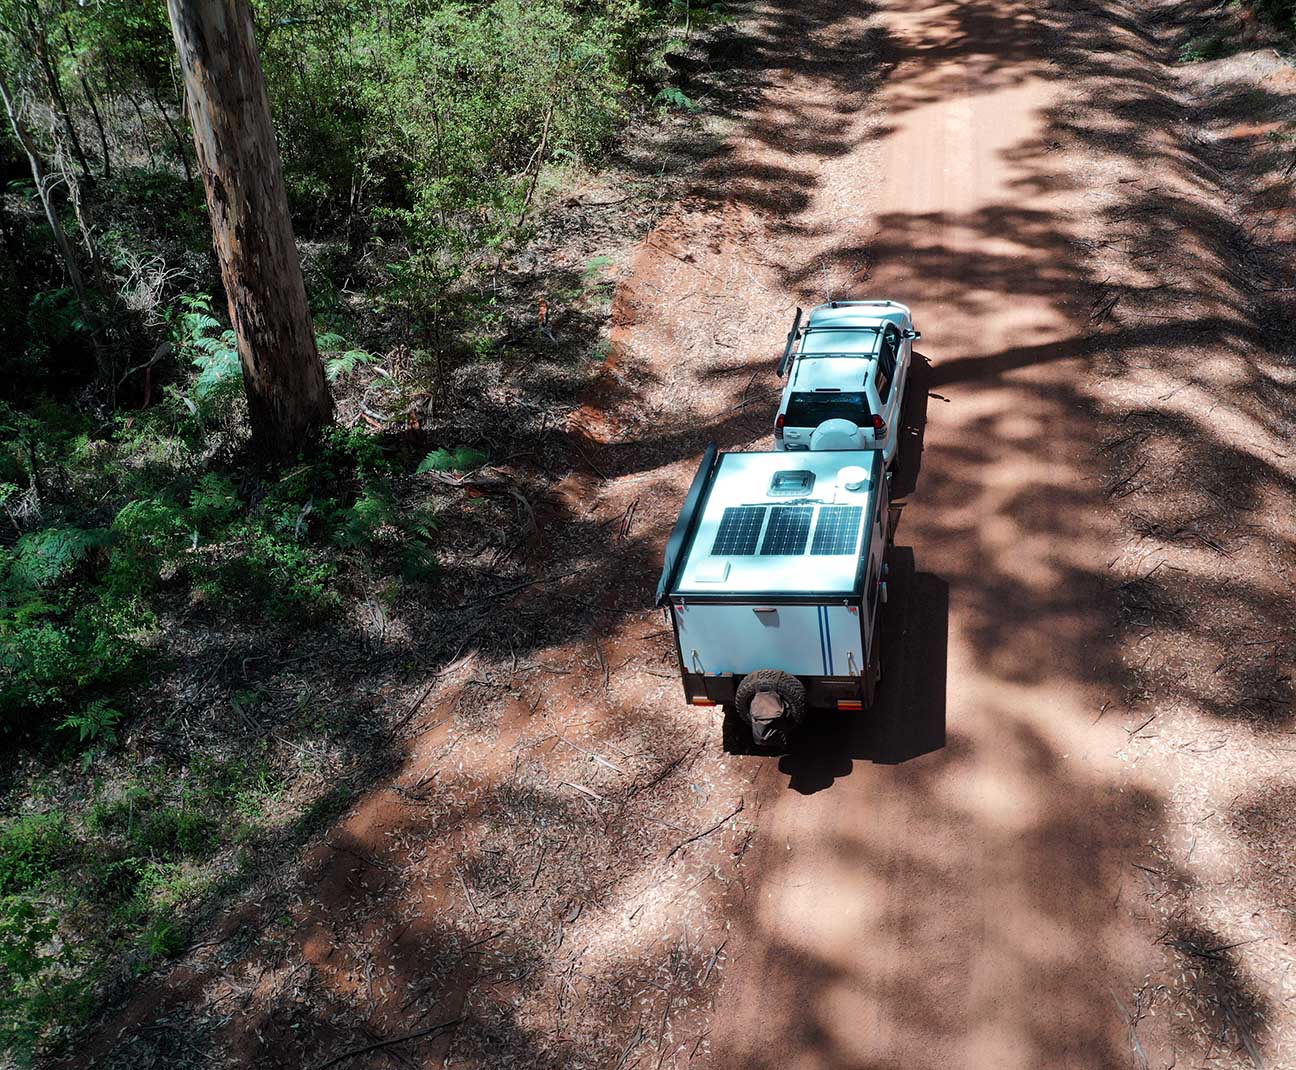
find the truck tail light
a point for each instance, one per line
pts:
(703, 701)
(778, 425)
(879, 426)
(849, 704)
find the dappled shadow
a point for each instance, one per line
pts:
(963, 865)
(908, 716)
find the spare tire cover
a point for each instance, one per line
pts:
(767, 717)
(837, 435)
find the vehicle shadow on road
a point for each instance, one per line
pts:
(908, 716)
(913, 428)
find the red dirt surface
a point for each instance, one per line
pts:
(987, 871)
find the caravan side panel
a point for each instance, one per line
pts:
(805, 640)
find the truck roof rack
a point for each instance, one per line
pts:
(791, 341)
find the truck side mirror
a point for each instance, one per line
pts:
(915, 335)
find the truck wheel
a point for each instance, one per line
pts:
(780, 689)
(873, 674)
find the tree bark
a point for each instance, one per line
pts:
(238, 159)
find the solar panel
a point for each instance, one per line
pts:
(739, 529)
(789, 527)
(837, 530)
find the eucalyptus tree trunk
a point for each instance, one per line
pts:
(238, 158)
(44, 190)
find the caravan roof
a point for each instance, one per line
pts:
(778, 523)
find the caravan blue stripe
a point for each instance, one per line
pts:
(823, 647)
(828, 635)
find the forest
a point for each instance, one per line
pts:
(422, 142)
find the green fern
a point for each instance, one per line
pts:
(96, 723)
(197, 335)
(674, 97)
(459, 459)
(335, 367)
(44, 557)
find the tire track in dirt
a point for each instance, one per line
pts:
(962, 908)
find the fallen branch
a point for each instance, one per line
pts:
(705, 832)
(519, 587)
(582, 789)
(711, 962)
(378, 1045)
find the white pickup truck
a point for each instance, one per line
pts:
(847, 371)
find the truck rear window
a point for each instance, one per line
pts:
(808, 409)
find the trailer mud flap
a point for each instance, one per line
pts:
(719, 688)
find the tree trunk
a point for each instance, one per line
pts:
(288, 399)
(43, 190)
(175, 134)
(58, 102)
(94, 107)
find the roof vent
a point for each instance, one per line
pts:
(791, 483)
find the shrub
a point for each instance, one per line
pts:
(30, 848)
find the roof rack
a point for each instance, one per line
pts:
(791, 340)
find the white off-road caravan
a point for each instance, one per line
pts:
(773, 577)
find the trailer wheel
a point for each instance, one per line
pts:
(770, 734)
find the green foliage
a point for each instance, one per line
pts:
(419, 140)
(459, 459)
(1202, 49)
(96, 723)
(43, 557)
(338, 359)
(199, 338)
(675, 98)
(29, 849)
(36, 989)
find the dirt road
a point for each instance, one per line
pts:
(957, 908)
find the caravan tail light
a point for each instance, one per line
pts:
(879, 426)
(778, 425)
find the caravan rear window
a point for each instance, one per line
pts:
(810, 409)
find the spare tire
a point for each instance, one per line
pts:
(838, 434)
(772, 704)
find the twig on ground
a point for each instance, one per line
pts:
(377, 1045)
(467, 894)
(360, 856)
(711, 962)
(636, 1038)
(519, 587)
(582, 789)
(584, 456)
(596, 757)
(705, 832)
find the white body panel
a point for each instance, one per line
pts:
(744, 480)
(802, 640)
(834, 357)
